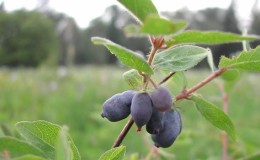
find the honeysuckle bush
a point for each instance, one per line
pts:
(173, 51)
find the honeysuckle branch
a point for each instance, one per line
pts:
(153, 83)
(150, 61)
(186, 93)
(123, 133)
(151, 55)
(183, 95)
(167, 77)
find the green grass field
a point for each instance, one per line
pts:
(75, 99)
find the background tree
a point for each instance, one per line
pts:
(22, 40)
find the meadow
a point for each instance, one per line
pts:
(74, 97)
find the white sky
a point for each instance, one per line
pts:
(84, 11)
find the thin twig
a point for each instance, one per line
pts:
(149, 61)
(153, 83)
(167, 77)
(186, 93)
(141, 73)
(151, 55)
(123, 133)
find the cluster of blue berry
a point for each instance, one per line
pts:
(153, 110)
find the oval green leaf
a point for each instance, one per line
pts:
(140, 9)
(160, 26)
(126, 56)
(247, 60)
(133, 30)
(209, 38)
(215, 116)
(17, 148)
(117, 153)
(44, 136)
(180, 58)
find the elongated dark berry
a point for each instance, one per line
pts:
(172, 126)
(141, 109)
(118, 106)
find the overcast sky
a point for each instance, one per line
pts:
(84, 11)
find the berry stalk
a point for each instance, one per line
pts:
(123, 133)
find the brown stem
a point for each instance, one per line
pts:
(151, 55)
(149, 61)
(123, 133)
(167, 77)
(141, 73)
(225, 99)
(153, 83)
(186, 93)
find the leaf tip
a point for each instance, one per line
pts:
(98, 40)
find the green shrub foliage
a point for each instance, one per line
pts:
(27, 38)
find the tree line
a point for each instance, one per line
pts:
(32, 38)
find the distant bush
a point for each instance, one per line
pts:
(27, 38)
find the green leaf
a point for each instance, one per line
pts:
(16, 148)
(29, 157)
(133, 78)
(180, 58)
(126, 56)
(180, 80)
(209, 38)
(140, 9)
(215, 116)
(231, 75)
(63, 151)
(114, 154)
(247, 60)
(160, 26)
(44, 136)
(133, 31)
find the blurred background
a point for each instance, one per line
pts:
(50, 70)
